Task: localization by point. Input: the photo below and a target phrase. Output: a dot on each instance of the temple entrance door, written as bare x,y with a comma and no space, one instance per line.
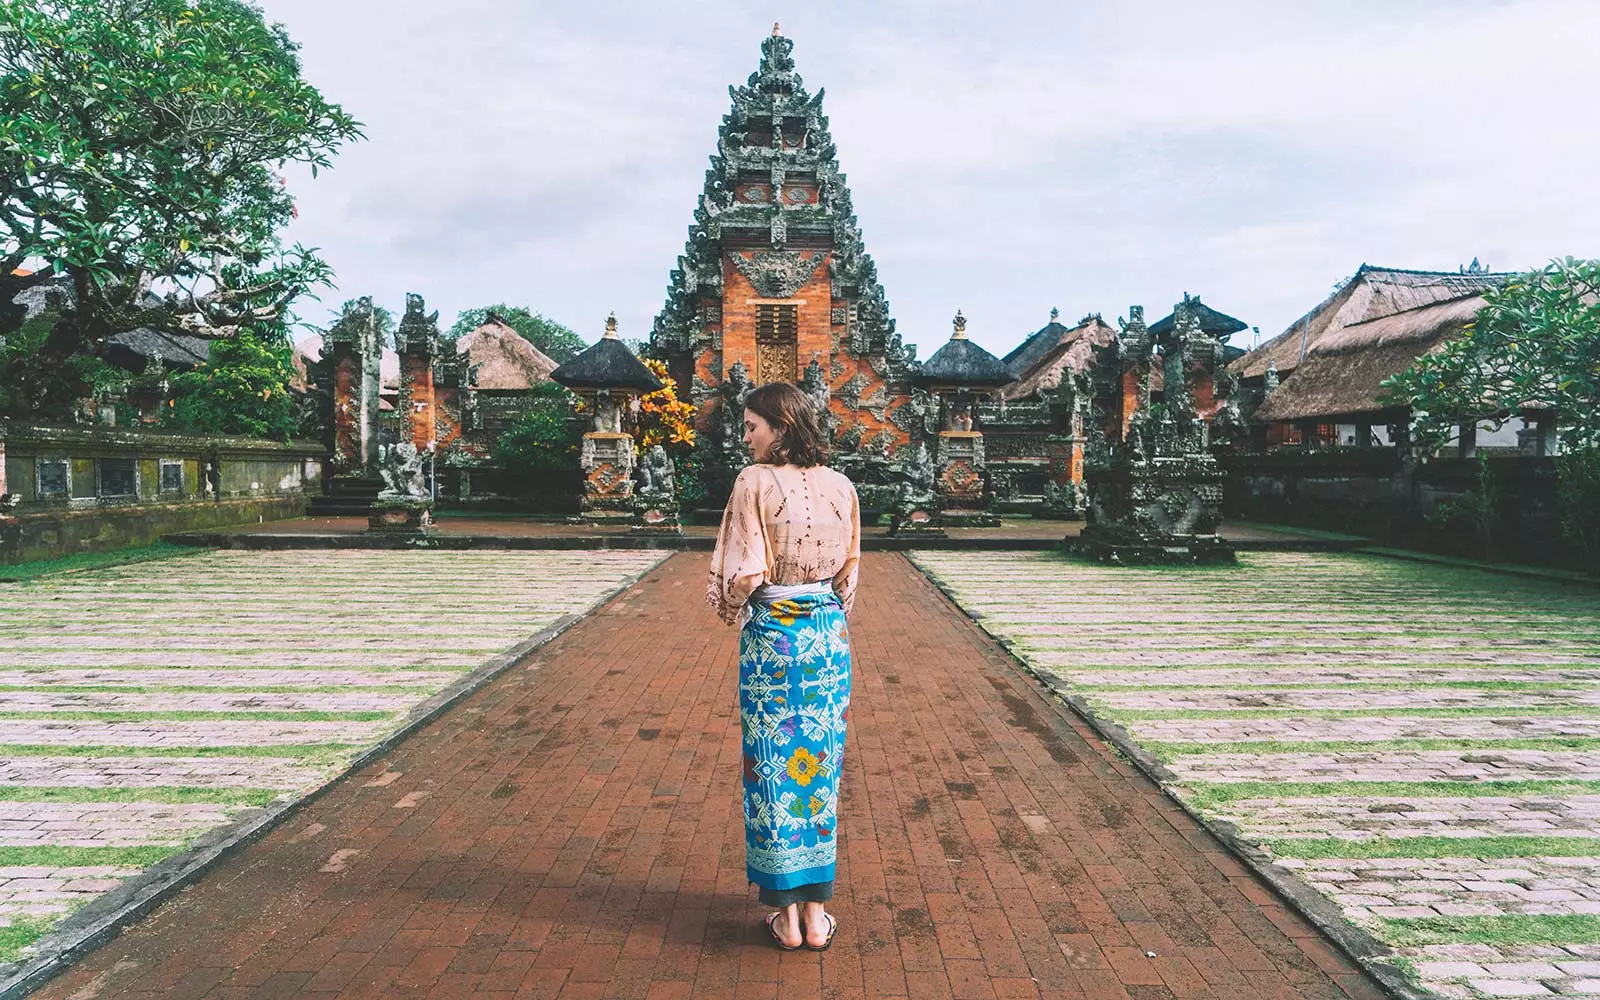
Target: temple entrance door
777,331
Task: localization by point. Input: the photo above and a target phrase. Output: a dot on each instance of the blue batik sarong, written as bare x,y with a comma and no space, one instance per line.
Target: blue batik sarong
794,703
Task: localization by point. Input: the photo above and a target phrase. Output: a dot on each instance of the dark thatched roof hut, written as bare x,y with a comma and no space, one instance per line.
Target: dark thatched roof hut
962,364
607,365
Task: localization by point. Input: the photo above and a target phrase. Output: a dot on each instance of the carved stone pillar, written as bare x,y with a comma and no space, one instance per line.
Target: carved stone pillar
607,463
353,350
959,492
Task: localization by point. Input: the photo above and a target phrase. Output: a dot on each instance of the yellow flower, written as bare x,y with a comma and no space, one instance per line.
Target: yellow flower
804,766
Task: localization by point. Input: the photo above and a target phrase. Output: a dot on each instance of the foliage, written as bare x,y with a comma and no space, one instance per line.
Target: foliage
542,446
689,476
381,316
1474,511
1536,340
1578,503
139,142
663,418
559,342
243,389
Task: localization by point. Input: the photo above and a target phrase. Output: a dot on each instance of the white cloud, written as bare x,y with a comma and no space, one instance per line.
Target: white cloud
1085,156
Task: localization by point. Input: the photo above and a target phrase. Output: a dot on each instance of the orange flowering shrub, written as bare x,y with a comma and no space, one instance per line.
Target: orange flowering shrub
664,419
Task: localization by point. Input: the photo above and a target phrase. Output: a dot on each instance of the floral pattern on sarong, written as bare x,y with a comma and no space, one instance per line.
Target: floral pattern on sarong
794,705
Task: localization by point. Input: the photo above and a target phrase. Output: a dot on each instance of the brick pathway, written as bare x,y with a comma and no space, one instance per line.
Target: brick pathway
572,830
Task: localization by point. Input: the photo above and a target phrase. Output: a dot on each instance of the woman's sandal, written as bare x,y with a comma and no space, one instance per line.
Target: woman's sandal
772,929
833,927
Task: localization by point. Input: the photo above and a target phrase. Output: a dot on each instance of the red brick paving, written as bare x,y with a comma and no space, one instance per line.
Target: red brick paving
576,833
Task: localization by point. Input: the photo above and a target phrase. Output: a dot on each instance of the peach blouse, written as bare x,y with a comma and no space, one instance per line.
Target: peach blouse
785,525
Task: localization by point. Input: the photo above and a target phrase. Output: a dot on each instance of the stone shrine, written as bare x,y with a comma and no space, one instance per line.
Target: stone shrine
1155,492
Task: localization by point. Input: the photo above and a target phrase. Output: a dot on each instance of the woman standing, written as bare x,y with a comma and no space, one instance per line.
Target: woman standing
785,568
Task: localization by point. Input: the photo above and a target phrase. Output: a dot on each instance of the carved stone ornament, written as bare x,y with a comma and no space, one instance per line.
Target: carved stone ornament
778,274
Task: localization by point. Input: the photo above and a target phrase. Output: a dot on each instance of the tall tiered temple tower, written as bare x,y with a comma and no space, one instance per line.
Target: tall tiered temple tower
774,284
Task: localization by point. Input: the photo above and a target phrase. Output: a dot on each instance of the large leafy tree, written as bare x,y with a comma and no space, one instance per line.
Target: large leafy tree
1536,340
242,389
140,143
559,342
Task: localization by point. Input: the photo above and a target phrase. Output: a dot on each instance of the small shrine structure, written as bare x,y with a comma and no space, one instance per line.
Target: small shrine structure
608,378
957,376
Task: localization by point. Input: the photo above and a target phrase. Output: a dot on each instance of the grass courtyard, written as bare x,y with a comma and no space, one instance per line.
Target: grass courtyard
1419,743
144,704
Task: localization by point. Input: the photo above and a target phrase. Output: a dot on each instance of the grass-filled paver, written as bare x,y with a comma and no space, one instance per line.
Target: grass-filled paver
161,694
1420,742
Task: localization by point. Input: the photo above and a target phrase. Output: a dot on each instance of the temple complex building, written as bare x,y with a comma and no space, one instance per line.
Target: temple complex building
775,281
1319,384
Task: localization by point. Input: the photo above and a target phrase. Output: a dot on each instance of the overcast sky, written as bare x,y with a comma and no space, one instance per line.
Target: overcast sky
1003,160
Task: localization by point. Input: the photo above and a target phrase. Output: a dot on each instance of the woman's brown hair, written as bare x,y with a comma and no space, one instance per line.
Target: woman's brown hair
799,439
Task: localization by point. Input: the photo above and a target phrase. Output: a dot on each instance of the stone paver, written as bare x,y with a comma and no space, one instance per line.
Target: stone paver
1333,652
1397,765
1458,886
574,830
149,772
41,891
1367,818
1346,699
1373,728
104,824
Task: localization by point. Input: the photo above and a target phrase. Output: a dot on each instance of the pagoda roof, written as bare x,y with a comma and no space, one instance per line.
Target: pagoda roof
962,362
607,365
1217,324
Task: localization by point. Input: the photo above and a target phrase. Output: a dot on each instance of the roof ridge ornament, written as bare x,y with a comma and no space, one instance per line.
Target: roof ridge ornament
1055,315
960,332
611,326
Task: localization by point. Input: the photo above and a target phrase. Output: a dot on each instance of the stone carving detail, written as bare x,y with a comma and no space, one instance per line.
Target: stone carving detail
815,386
400,465
839,316
778,274
657,473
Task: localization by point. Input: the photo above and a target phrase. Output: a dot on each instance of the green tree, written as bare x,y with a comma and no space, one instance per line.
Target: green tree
243,390
1536,340
559,342
139,146
541,448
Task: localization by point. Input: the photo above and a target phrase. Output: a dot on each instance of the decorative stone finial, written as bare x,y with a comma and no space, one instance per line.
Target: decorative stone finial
611,327
776,33
961,327
1055,314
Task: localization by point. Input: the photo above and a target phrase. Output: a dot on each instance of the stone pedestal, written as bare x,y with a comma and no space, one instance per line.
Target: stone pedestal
958,489
400,516
656,513
607,463
1165,510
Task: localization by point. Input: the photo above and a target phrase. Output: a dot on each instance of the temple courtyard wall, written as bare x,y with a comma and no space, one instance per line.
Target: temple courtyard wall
1374,493
79,490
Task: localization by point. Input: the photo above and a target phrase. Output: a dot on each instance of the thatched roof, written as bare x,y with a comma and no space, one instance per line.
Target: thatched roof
1343,374
1036,345
608,364
960,362
132,349
1371,293
505,358
1217,324
1072,352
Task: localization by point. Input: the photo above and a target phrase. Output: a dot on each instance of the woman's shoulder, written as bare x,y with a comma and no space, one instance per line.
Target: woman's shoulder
839,479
